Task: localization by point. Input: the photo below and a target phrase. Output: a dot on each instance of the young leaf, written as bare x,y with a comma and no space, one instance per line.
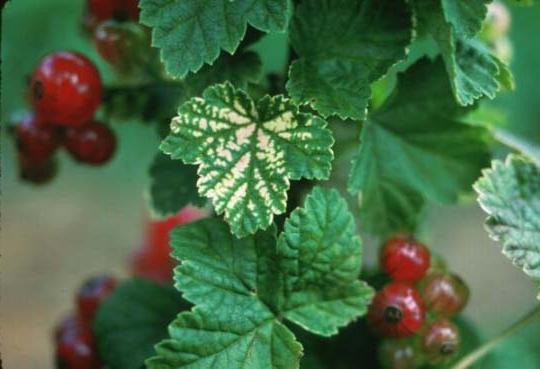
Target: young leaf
133,320
473,71
344,46
510,193
248,151
321,254
415,146
191,33
242,288
173,185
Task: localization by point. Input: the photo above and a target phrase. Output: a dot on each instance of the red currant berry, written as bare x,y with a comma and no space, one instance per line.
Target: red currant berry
66,89
440,341
36,140
124,45
396,311
405,259
37,172
75,349
399,354
98,11
93,143
497,23
92,293
444,294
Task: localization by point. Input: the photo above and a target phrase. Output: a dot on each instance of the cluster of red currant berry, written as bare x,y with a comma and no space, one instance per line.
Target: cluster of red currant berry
75,345
65,92
413,311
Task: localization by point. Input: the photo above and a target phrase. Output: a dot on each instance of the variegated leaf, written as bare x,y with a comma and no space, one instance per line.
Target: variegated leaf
248,151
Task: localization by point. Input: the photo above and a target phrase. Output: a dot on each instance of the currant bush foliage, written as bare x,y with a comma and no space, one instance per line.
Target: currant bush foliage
142,308
415,147
191,33
473,71
510,193
248,151
337,65
242,289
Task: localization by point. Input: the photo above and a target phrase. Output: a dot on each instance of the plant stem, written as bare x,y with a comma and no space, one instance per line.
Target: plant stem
482,350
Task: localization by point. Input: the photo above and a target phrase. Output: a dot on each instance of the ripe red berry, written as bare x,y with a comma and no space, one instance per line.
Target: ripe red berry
75,349
396,311
98,11
405,259
94,143
399,354
92,293
125,45
36,140
37,172
66,89
444,294
440,341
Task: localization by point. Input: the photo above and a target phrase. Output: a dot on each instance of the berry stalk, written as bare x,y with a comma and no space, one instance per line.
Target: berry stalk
484,349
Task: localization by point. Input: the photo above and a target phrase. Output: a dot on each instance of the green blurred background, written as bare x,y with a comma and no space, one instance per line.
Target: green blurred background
88,220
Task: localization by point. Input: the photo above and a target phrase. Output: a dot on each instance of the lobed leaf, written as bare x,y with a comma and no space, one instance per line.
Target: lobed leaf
473,70
191,33
344,46
248,151
510,193
416,147
321,253
243,288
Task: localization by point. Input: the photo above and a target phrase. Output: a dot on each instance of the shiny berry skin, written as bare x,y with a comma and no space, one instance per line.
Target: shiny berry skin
396,311
444,294
440,341
92,293
66,89
405,259
124,45
94,143
36,140
153,260
399,354
37,173
75,349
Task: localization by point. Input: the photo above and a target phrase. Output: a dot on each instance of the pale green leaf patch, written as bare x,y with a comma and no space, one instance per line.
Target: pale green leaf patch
344,46
510,193
243,289
248,152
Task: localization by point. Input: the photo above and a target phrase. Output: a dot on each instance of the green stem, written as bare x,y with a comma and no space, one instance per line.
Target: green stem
481,351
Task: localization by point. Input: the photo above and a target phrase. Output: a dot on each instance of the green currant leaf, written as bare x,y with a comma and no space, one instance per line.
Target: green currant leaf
344,46
191,33
173,185
510,193
466,17
133,319
415,146
321,264
473,71
248,151
243,288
